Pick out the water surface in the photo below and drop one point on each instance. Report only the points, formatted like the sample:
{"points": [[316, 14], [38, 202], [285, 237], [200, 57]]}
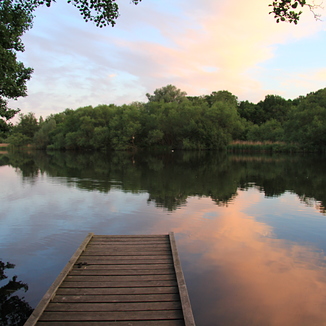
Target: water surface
{"points": [[250, 230]]}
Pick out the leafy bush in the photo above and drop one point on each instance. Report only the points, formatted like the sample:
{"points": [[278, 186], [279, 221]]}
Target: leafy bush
{"points": [[18, 140]]}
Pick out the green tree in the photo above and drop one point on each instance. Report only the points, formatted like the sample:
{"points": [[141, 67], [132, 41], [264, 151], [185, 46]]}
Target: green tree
{"points": [[222, 96], [307, 122], [222, 123], [18, 140], [125, 127], [271, 130], [42, 136], [166, 121], [251, 112], [101, 138], [155, 136], [167, 94], [15, 20], [274, 107], [27, 125]]}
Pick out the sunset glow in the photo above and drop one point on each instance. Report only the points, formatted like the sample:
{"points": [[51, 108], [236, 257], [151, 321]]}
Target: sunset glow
{"points": [[199, 47]]}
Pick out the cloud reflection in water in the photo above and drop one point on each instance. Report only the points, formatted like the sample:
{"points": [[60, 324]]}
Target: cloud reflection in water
{"points": [[241, 274]]}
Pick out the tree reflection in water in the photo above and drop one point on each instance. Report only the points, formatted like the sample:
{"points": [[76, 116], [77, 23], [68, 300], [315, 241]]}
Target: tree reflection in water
{"points": [[171, 178], [14, 310]]}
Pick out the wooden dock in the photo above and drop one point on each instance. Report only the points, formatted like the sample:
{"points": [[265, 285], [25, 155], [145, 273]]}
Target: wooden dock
{"points": [[118, 280]]}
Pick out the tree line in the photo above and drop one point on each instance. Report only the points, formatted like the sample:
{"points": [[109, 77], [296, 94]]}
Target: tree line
{"points": [[172, 120], [16, 18]]}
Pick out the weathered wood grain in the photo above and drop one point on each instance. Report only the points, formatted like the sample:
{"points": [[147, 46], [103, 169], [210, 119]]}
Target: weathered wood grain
{"points": [[109, 238], [99, 261], [172, 322], [96, 306], [129, 258], [118, 291], [130, 242], [109, 245], [112, 316], [120, 278], [130, 266], [123, 298], [125, 284], [120, 272], [134, 236], [122, 281], [128, 252]]}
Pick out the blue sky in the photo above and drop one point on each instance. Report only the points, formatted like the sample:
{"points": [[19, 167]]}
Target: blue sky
{"points": [[200, 47]]}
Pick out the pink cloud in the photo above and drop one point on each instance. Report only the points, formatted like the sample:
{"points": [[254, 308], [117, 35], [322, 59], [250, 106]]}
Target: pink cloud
{"points": [[154, 45]]}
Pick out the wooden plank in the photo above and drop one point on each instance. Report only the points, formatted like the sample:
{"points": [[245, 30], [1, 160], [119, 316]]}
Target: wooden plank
{"points": [[118, 291], [120, 306], [119, 278], [131, 236], [185, 301], [55, 285], [124, 242], [149, 248], [126, 245], [99, 261], [134, 240], [112, 316], [128, 252], [172, 322], [126, 267], [125, 258], [117, 298], [121, 272], [67, 284], [123, 249], [130, 244]]}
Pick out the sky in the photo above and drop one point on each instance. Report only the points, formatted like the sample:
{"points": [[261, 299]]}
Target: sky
{"points": [[198, 46]]}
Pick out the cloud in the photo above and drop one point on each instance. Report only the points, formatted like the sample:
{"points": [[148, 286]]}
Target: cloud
{"points": [[299, 83], [232, 37], [153, 45]]}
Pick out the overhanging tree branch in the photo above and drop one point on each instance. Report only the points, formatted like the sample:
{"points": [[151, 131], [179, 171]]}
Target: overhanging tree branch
{"points": [[101, 12], [289, 10], [16, 17]]}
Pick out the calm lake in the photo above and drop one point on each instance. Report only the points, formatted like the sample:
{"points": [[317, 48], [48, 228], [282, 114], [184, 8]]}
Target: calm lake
{"points": [[250, 229]]}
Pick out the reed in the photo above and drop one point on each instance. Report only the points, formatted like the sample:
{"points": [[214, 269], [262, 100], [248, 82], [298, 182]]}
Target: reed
{"points": [[262, 146]]}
